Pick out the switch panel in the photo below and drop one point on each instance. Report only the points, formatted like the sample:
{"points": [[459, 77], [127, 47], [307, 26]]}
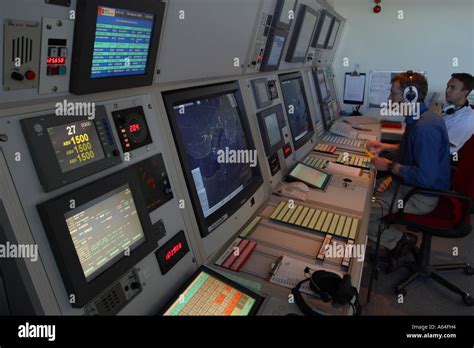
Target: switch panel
{"points": [[55, 62], [260, 43], [21, 54]]}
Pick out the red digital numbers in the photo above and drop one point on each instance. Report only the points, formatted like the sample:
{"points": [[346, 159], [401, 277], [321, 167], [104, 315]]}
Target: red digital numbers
{"points": [[134, 128], [56, 60], [173, 251]]}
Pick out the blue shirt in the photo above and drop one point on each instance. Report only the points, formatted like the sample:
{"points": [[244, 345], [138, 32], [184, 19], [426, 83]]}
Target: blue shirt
{"points": [[424, 152]]}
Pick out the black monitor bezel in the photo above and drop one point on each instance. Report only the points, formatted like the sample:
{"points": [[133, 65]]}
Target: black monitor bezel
{"points": [[319, 27], [258, 298], [304, 9], [54, 223], [333, 24], [264, 66], [43, 155], [83, 48], [278, 110], [291, 178], [276, 23], [326, 123], [293, 76], [179, 97]]}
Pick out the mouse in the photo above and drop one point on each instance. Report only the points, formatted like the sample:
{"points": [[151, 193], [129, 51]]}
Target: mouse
{"points": [[300, 186]]}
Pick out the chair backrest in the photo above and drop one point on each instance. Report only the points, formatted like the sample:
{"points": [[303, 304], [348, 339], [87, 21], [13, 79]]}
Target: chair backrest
{"points": [[463, 179]]}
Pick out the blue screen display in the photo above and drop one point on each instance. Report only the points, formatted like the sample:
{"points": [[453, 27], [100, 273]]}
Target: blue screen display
{"points": [[122, 41]]}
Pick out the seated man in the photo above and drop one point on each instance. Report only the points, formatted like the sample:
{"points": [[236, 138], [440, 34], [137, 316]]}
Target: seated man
{"points": [[423, 160], [457, 113]]}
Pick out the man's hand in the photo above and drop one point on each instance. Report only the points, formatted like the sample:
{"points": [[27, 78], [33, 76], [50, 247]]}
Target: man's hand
{"points": [[375, 147], [436, 108], [380, 163]]}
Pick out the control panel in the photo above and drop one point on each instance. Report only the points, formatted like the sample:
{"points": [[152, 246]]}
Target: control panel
{"points": [[258, 50]]}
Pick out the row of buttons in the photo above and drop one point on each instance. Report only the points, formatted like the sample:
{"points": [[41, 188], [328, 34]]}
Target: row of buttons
{"points": [[105, 124]]}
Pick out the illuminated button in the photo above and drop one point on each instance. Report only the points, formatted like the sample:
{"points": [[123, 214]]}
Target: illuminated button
{"points": [[62, 70], [30, 75], [52, 70]]}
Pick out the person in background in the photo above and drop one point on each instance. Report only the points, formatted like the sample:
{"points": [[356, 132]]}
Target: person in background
{"points": [[456, 112], [422, 160]]}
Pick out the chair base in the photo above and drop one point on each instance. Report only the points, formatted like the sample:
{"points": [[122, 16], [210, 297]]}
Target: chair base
{"points": [[430, 272]]}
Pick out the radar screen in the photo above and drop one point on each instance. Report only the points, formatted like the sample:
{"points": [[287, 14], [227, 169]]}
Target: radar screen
{"points": [[132, 128]]}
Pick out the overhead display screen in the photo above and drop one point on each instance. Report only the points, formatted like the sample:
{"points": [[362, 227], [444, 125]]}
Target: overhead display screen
{"points": [[103, 229], [297, 109], [332, 38], [306, 32], [323, 34], [122, 42], [276, 50], [207, 126], [76, 144], [285, 16]]}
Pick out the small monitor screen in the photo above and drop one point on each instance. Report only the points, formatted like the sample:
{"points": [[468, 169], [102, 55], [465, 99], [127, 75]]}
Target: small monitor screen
{"points": [[332, 38], [75, 144], [216, 149], [103, 229], [276, 50], [273, 129], [298, 115], [322, 85], [323, 34], [310, 176], [209, 295], [288, 6], [306, 32], [122, 42], [262, 91]]}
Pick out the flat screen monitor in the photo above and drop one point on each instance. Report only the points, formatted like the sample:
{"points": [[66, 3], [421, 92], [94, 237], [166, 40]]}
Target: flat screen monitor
{"points": [[282, 17], [312, 177], [274, 49], [216, 150], [322, 30], [122, 42], [302, 34], [297, 108], [334, 30], [102, 234], [118, 41], [226, 296], [270, 121], [322, 86]]}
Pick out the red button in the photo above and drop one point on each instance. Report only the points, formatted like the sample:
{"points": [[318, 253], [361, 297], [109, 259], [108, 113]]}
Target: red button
{"points": [[30, 75]]}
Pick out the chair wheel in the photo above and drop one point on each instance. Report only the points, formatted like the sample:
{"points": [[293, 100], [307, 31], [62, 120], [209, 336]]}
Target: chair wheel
{"points": [[468, 300], [399, 291], [469, 270]]}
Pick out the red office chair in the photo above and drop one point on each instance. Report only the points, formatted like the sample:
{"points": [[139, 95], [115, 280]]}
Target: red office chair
{"points": [[450, 219]]}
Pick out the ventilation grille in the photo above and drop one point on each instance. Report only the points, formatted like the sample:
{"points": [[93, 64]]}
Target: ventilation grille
{"points": [[110, 301], [22, 47]]}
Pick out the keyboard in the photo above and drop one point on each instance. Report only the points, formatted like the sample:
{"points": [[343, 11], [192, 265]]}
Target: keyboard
{"points": [[345, 141], [344, 130], [207, 295], [354, 161]]}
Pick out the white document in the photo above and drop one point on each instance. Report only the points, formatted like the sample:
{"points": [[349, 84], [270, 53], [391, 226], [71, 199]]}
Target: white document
{"points": [[342, 169], [354, 87], [379, 88], [290, 272]]}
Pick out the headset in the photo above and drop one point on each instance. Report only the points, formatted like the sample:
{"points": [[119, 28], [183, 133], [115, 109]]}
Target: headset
{"points": [[452, 109], [330, 287], [410, 94]]}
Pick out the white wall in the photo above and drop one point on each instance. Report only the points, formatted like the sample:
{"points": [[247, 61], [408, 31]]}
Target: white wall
{"points": [[431, 34]]}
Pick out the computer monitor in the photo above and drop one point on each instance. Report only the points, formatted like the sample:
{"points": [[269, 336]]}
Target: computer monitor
{"points": [[209, 293], [118, 44], [270, 121], [98, 232], [294, 95], [281, 17], [322, 30], [323, 97], [312, 177], [216, 150], [302, 34], [334, 30], [321, 85], [274, 49]]}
